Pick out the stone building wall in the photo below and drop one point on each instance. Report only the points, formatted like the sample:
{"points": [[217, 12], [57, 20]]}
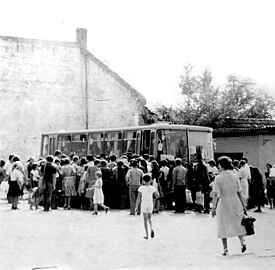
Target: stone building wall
{"points": [[44, 87]]}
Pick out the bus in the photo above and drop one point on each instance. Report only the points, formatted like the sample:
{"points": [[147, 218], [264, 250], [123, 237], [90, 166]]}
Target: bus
{"points": [[163, 140]]}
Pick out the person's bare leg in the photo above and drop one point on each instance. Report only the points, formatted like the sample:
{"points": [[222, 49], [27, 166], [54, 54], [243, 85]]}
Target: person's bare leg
{"points": [[145, 220], [66, 202], [69, 202], [243, 245], [91, 204], [225, 249], [95, 209], [106, 208], [151, 225]]}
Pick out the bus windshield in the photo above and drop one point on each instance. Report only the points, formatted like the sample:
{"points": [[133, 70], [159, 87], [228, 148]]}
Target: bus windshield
{"points": [[172, 144]]}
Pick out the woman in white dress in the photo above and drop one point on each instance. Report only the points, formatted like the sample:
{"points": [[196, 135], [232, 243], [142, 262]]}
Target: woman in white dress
{"points": [[98, 194], [228, 204], [16, 183]]}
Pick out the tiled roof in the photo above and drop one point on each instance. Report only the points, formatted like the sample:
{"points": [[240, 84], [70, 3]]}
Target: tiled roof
{"points": [[239, 125]]}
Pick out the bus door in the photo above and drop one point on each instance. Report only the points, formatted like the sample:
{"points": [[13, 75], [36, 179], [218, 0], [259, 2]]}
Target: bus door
{"points": [[148, 142], [52, 144], [64, 143], [138, 143], [45, 147]]}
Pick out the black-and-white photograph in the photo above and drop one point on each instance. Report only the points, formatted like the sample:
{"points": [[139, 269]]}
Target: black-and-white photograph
{"points": [[137, 134]]}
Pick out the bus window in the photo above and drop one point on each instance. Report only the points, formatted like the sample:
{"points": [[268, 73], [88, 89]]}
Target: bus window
{"points": [[172, 144], [200, 143], [79, 144], [96, 144], [45, 146], [129, 142], [112, 144], [64, 144]]}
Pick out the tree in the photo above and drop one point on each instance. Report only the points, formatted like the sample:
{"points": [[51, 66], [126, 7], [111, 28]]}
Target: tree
{"points": [[201, 96], [243, 99], [206, 104]]}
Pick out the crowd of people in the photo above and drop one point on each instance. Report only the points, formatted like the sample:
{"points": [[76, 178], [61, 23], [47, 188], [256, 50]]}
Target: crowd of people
{"points": [[70, 182]]}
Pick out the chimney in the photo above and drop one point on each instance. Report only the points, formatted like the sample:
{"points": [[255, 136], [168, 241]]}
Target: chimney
{"points": [[81, 37]]}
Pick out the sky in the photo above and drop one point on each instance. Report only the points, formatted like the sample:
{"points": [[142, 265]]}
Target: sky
{"points": [[147, 42]]}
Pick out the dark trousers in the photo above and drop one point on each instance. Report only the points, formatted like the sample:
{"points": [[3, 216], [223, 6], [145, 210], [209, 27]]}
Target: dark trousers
{"points": [[54, 199], [133, 193], [48, 197], [107, 191], [180, 198], [206, 202]]}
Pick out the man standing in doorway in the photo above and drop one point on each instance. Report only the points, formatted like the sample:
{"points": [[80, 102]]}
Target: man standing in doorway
{"points": [[202, 182], [179, 186], [133, 178]]}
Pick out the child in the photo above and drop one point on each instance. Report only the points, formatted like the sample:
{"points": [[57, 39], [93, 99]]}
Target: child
{"points": [[98, 194], [34, 176], [33, 192], [145, 195]]}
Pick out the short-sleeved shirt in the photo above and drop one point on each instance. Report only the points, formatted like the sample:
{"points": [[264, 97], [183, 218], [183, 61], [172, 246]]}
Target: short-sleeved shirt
{"points": [[17, 175], [147, 194], [165, 171], [179, 175], [35, 175], [8, 168]]}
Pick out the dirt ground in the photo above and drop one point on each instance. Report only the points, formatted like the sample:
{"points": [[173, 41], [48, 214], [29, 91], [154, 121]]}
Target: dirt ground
{"points": [[75, 239]]}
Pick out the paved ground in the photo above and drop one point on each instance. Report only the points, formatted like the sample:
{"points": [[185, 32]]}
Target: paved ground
{"points": [[75, 239]]}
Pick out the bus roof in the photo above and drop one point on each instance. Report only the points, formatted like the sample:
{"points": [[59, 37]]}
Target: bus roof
{"points": [[153, 126]]}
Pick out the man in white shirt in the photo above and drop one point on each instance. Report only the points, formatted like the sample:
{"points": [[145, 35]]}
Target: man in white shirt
{"points": [[246, 166]]}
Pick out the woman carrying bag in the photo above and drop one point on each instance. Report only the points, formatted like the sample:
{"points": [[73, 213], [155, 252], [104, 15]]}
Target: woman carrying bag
{"points": [[228, 204]]}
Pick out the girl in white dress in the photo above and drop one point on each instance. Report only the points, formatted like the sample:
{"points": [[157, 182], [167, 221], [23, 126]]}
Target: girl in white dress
{"points": [[98, 194]]}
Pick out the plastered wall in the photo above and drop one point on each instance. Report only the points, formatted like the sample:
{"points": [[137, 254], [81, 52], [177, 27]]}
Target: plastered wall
{"points": [[43, 88], [258, 149]]}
